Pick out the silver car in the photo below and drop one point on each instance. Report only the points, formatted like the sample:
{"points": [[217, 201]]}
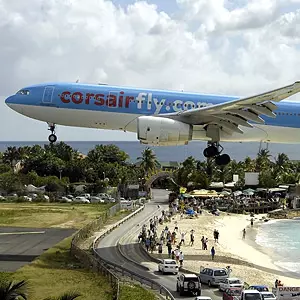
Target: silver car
{"points": [[213, 276]]}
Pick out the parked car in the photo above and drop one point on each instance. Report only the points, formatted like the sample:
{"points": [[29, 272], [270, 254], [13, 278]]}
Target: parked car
{"points": [[251, 295], [65, 200], [95, 199], [213, 276], [202, 298], [26, 198], [188, 283], [81, 200], [260, 288], [268, 296], [232, 293], [230, 282], [168, 266]]}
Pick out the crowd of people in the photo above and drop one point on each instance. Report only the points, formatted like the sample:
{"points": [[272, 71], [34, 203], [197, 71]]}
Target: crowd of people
{"points": [[172, 240]]}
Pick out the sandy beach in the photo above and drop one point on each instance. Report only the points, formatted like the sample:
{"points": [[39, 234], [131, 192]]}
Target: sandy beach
{"points": [[248, 261]]}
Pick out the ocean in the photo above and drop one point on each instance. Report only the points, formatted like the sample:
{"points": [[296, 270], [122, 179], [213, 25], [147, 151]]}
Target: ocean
{"points": [[237, 151], [282, 237]]}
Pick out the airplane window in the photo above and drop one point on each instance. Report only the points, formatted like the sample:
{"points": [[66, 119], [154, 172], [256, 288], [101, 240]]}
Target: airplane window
{"points": [[23, 92]]}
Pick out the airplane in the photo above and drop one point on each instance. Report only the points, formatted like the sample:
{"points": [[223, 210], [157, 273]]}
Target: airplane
{"points": [[165, 118]]}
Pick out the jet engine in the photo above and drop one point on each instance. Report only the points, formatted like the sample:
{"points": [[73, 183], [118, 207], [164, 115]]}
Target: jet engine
{"points": [[161, 131]]}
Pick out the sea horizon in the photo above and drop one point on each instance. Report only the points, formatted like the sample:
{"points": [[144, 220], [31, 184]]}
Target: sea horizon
{"points": [[237, 151], [281, 240]]}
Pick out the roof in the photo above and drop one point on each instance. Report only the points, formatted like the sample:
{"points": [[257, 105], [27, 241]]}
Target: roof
{"points": [[233, 278], [190, 275], [170, 164], [251, 291], [169, 259]]}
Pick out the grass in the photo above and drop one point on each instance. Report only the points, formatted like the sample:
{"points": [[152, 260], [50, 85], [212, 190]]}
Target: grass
{"points": [[132, 291], [56, 272], [49, 215]]}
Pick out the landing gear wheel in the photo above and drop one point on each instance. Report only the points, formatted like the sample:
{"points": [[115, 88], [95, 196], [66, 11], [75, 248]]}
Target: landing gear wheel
{"points": [[52, 138], [211, 151], [222, 160]]}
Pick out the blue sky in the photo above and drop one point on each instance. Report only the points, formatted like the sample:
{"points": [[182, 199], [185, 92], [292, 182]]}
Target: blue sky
{"points": [[228, 47]]}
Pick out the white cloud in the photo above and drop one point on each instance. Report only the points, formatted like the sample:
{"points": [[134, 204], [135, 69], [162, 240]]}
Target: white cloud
{"points": [[250, 48]]}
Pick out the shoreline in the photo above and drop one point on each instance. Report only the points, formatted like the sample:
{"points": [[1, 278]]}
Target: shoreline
{"points": [[249, 261], [268, 251]]}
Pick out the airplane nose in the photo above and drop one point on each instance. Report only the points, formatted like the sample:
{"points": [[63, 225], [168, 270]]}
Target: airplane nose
{"points": [[9, 101]]}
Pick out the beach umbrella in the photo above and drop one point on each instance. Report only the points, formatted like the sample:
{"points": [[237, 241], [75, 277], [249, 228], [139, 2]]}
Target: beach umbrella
{"points": [[225, 193], [237, 193], [248, 193]]}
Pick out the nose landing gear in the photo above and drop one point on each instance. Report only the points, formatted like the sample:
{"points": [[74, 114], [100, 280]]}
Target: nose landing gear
{"points": [[214, 150], [52, 137]]}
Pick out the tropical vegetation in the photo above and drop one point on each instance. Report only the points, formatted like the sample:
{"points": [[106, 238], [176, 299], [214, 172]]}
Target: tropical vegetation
{"points": [[60, 168], [272, 172]]}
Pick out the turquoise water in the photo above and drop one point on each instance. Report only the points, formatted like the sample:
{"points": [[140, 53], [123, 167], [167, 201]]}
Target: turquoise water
{"points": [[283, 238]]}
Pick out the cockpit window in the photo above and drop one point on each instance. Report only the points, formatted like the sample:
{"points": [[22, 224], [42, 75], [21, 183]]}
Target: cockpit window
{"points": [[23, 92]]}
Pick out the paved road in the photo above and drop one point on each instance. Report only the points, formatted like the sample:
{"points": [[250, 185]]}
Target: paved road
{"points": [[127, 234], [19, 245]]}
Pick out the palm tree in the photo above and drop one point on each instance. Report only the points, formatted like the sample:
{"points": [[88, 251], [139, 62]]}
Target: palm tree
{"points": [[13, 291], [11, 156], [282, 162], [263, 159], [66, 296], [148, 161]]}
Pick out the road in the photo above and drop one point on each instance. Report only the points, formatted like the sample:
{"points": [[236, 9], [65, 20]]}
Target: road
{"points": [[127, 235], [20, 246]]}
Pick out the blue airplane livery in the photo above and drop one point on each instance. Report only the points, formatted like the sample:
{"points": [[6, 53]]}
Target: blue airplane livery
{"points": [[163, 118]]}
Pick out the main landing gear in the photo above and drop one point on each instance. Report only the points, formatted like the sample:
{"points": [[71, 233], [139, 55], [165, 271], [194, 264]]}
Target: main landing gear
{"points": [[214, 150], [52, 137]]}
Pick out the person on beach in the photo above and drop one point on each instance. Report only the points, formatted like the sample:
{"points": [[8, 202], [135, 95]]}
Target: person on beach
{"points": [[244, 233], [251, 222], [181, 257], [202, 241], [173, 255], [229, 270], [182, 238], [212, 252], [177, 252], [216, 235], [192, 238], [205, 243], [160, 248]]}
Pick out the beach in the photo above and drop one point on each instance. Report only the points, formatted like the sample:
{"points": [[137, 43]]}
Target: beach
{"points": [[248, 261]]}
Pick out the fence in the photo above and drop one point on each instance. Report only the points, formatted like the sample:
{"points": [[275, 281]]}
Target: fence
{"points": [[110, 269], [86, 258]]}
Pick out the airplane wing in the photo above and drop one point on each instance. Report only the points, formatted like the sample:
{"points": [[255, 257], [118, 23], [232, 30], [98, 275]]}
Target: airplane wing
{"points": [[228, 116]]}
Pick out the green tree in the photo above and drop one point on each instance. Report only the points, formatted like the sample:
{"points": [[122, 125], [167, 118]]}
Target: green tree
{"points": [[148, 161], [10, 182], [107, 154], [263, 160], [10, 290], [11, 156], [62, 151]]}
